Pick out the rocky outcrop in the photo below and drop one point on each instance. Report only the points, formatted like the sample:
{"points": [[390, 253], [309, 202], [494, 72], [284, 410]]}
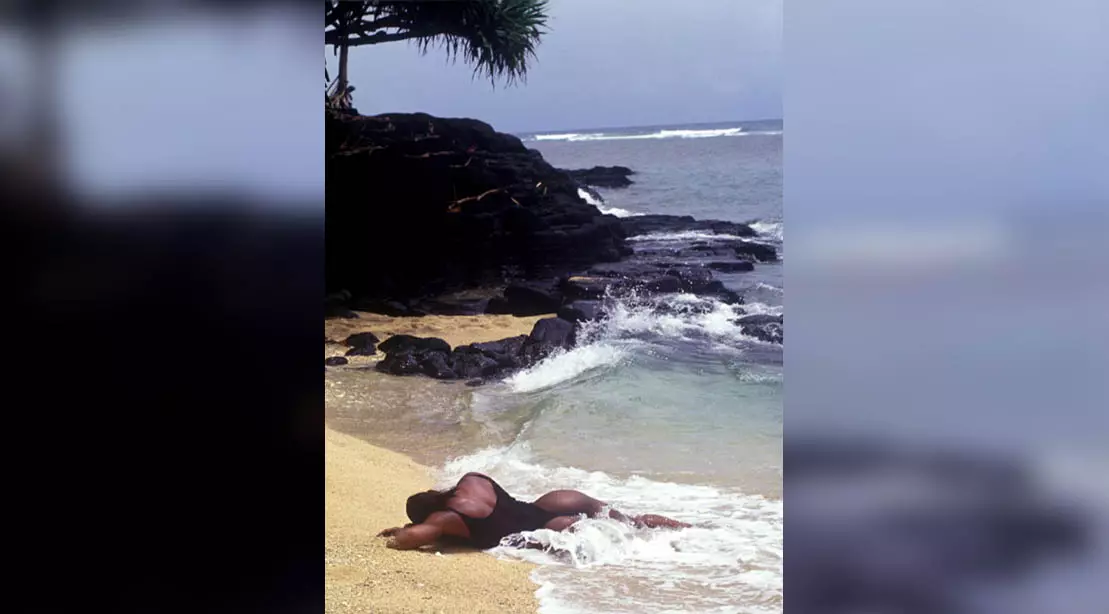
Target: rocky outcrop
{"points": [[582, 311], [361, 344], [418, 206], [361, 339], [477, 361], [409, 343], [527, 299], [734, 266], [649, 224], [603, 176], [764, 327]]}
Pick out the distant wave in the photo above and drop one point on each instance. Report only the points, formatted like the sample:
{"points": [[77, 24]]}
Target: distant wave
{"points": [[661, 134]]}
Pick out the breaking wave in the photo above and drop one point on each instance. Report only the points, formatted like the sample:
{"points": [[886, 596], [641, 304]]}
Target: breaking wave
{"points": [[660, 134]]}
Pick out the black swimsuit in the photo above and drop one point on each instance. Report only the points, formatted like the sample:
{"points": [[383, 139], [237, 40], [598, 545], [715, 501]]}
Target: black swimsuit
{"points": [[508, 516]]}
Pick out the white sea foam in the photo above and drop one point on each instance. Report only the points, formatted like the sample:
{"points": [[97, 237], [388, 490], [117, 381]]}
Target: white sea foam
{"points": [[567, 136], [566, 365], [661, 134], [587, 197], [617, 211], [768, 288], [685, 235], [768, 229], [631, 323], [732, 555], [600, 205]]}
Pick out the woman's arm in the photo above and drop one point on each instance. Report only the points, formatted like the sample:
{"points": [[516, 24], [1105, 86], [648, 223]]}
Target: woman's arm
{"points": [[414, 536]]}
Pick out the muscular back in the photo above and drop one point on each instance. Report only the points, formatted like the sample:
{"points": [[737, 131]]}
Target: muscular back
{"points": [[474, 496]]}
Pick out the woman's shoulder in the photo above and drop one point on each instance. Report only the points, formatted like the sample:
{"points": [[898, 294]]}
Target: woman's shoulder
{"points": [[474, 474]]}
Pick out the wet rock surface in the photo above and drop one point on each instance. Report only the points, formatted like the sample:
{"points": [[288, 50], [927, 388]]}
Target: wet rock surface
{"points": [[603, 176], [582, 311], [654, 224]]}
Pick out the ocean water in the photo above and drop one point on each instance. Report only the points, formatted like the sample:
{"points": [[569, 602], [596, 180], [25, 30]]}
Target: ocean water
{"points": [[675, 413]]}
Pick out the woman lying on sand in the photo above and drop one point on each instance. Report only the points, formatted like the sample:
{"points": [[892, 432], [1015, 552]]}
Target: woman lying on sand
{"points": [[478, 511]]}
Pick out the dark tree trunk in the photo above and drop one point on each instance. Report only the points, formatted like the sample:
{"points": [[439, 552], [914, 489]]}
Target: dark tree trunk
{"points": [[343, 50]]}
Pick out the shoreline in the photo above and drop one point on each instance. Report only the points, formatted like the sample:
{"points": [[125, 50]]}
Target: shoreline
{"points": [[366, 486]]}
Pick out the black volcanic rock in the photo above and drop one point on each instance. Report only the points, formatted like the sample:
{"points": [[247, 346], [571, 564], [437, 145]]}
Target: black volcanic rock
{"points": [[504, 351], [409, 343], [582, 311], [527, 299], [361, 339], [436, 365], [335, 361], [765, 327], [553, 331], [548, 335], [419, 206], [734, 266], [648, 224], [758, 251], [603, 176], [400, 363], [472, 364], [363, 350]]}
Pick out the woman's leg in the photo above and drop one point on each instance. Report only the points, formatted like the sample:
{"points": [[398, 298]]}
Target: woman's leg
{"points": [[561, 523], [573, 503], [569, 503]]}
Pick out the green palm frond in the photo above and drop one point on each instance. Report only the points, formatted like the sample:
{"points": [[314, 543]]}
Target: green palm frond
{"points": [[497, 37]]}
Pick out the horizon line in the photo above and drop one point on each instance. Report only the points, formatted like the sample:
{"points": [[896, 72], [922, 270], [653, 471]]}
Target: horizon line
{"points": [[601, 128]]}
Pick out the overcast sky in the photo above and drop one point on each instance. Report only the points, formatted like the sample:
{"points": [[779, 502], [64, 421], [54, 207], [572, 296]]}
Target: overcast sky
{"points": [[602, 64]]}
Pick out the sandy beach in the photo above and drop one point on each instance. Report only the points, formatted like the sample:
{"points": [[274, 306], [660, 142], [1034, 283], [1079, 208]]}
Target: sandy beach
{"points": [[366, 487], [455, 330]]}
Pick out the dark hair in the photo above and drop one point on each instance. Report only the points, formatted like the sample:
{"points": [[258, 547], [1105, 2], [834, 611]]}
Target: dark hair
{"points": [[423, 504]]}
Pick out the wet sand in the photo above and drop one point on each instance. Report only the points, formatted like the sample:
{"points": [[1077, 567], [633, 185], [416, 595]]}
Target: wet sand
{"points": [[428, 420], [366, 487]]}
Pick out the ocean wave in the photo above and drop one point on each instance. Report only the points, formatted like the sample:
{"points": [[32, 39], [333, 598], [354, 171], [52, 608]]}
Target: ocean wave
{"points": [[587, 197], [661, 134], [600, 205], [683, 236], [733, 552], [564, 366], [763, 286], [768, 229], [634, 323]]}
